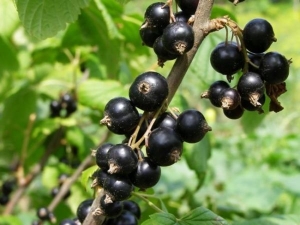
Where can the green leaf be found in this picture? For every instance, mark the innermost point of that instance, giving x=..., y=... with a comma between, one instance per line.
x=202, y=216
x=10, y=61
x=198, y=216
x=9, y=220
x=44, y=18
x=251, y=120
x=17, y=109
x=95, y=29
x=276, y=220
x=161, y=218
x=86, y=175
x=9, y=17
x=220, y=12
x=95, y=93
x=197, y=156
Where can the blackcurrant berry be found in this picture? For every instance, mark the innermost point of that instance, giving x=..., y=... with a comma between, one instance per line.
x=230, y=98
x=121, y=115
x=234, y=113
x=121, y=159
x=101, y=156
x=55, y=108
x=227, y=58
x=84, y=209
x=157, y=15
x=258, y=35
x=214, y=92
x=146, y=174
x=247, y=105
x=43, y=214
x=192, y=126
x=166, y=119
x=188, y=6
x=101, y=177
x=4, y=199
x=255, y=60
x=274, y=68
x=8, y=186
x=182, y=16
x=118, y=187
x=162, y=53
x=126, y=218
x=67, y=222
x=164, y=146
x=132, y=207
x=251, y=87
x=149, y=35
x=110, y=209
x=178, y=37
x=148, y=91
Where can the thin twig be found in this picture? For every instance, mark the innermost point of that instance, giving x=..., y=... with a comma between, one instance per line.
x=68, y=183
x=34, y=172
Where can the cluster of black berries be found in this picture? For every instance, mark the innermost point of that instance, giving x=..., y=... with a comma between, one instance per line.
x=117, y=213
x=63, y=107
x=124, y=166
x=6, y=189
x=169, y=35
x=263, y=73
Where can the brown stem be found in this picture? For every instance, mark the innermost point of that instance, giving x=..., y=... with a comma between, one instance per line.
x=67, y=184
x=34, y=172
x=201, y=28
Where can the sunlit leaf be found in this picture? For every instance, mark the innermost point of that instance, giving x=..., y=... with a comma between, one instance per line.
x=44, y=18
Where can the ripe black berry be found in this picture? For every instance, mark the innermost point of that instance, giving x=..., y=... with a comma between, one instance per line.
x=101, y=156
x=214, y=92
x=274, y=68
x=178, y=37
x=121, y=159
x=182, y=16
x=120, y=115
x=4, y=199
x=188, y=6
x=43, y=214
x=230, y=98
x=149, y=35
x=157, y=15
x=246, y=104
x=8, y=187
x=251, y=87
x=67, y=222
x=84, y=209
x=117, y=187
x=55, y=108
x=132, y=207
x=162, y=53
x=227, y=58
x=192, y=126
x=166, y=119
x=110, y=209
x=101, y=177
x=258, y=35
x=148, y=91
x=164, y=146
x=146, y=174
x=255, y=59
x=126, y=218
x=235, y=113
